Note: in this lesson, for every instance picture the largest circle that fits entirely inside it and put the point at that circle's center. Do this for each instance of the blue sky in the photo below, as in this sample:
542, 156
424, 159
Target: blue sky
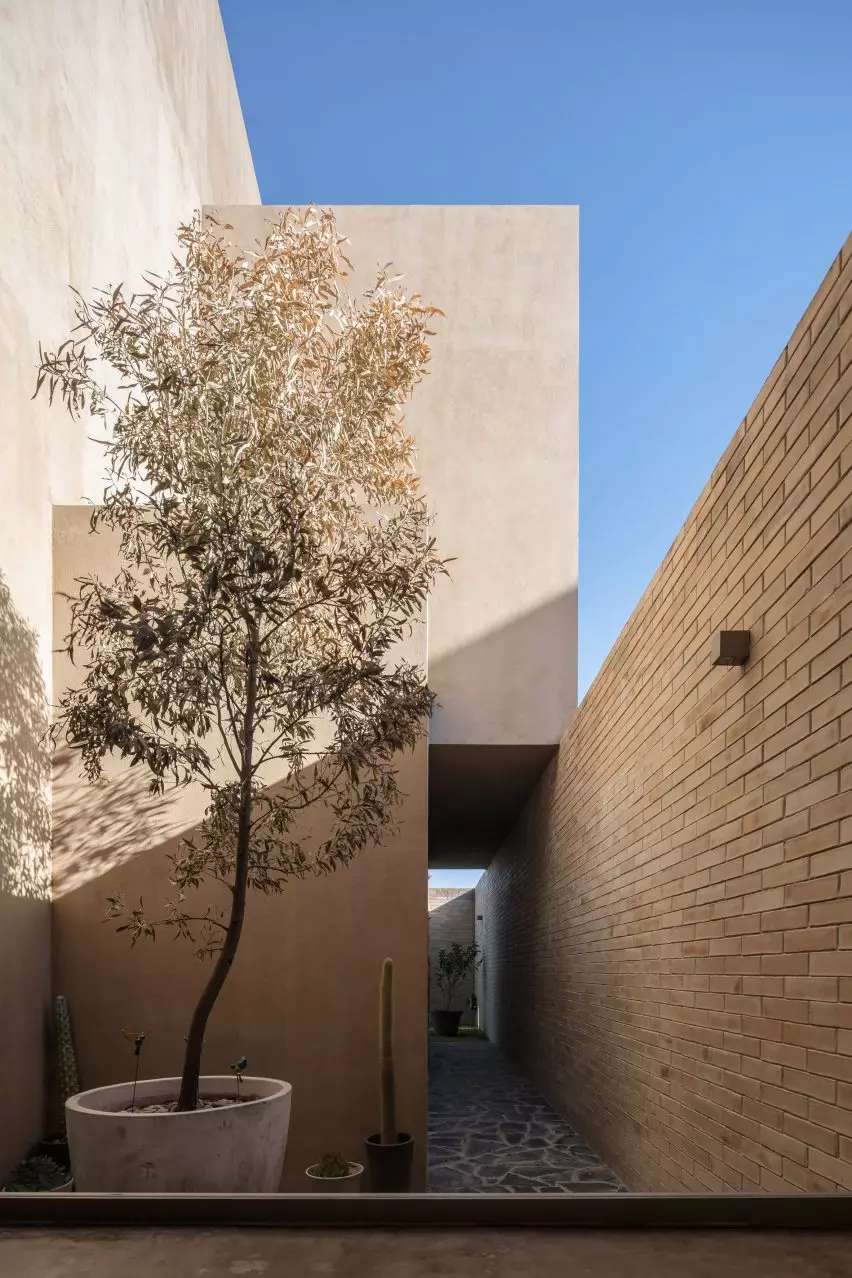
707, 143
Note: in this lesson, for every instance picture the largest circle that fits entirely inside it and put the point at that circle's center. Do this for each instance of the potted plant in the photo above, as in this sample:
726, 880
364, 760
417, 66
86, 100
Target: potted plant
334, 1174
39, 1175
455, 964
389, 1153
274, 551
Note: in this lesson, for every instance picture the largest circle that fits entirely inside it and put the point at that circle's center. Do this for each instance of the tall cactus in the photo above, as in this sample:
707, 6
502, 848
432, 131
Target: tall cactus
388, 1120
66, 1057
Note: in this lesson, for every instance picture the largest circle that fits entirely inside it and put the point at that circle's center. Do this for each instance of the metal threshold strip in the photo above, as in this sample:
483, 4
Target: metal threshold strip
375, 1211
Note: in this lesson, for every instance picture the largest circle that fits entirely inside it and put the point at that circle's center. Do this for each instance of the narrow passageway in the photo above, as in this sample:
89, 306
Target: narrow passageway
490, 1131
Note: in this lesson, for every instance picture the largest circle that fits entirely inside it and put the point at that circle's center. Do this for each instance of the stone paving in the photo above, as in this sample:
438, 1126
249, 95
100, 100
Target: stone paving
490, 1131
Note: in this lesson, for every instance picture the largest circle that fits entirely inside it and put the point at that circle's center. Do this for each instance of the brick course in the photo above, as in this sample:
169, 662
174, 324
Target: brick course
670, 923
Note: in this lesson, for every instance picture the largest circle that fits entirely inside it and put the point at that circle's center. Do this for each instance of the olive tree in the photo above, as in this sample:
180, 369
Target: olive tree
275, 553
455, 965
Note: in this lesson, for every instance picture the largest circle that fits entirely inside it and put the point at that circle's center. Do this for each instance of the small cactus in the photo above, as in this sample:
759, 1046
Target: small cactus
331, 1167
66, 1057
388, 1111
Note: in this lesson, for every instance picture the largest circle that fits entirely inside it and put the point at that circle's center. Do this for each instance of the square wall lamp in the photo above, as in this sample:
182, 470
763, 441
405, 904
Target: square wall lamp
731, 647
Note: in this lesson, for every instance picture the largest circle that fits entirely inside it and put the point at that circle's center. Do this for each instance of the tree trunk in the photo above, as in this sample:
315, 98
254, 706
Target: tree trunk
188, 1098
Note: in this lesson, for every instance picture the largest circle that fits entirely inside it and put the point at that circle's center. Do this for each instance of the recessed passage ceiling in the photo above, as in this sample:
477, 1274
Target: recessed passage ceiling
476, 794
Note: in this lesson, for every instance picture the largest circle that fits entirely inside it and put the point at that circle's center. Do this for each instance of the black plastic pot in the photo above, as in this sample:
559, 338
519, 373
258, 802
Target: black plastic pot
55, 1147
389, 1166
445, 1023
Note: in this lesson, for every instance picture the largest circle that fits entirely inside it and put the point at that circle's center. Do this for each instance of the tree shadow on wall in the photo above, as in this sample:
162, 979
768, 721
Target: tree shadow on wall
98, 826
24, 760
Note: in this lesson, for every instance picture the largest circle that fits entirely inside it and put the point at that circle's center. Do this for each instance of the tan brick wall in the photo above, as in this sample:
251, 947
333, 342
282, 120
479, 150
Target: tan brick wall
451, 919
670, 925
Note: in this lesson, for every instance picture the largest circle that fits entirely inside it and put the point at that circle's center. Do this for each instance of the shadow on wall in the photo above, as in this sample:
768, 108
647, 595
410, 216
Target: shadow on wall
516, 684
302, 1000
24, 882
98, 826
24, 760
104, 825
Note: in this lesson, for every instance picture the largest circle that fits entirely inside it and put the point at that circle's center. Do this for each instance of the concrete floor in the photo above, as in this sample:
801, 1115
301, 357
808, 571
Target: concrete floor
221, 1253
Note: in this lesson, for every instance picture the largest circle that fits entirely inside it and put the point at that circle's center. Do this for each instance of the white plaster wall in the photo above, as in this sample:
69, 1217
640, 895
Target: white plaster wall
497, 429
117, 119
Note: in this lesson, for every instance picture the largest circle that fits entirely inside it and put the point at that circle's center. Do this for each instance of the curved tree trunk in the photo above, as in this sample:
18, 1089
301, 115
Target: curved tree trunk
188, 1097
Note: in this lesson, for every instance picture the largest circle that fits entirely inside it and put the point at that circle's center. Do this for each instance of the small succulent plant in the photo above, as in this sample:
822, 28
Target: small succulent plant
36, 1175
332, 1167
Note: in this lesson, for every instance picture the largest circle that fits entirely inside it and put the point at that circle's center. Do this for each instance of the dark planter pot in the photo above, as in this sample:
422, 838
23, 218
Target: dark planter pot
389, 1166
445, 1023
55, 1147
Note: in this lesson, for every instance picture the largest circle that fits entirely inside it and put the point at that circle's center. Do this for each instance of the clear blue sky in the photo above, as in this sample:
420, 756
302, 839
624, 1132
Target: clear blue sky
707, 142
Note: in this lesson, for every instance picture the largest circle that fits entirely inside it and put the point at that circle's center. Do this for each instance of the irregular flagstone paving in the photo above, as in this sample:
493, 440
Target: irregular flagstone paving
490, 1131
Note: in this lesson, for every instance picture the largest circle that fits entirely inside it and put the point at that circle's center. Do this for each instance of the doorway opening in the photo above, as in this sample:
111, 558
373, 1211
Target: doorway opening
455, 956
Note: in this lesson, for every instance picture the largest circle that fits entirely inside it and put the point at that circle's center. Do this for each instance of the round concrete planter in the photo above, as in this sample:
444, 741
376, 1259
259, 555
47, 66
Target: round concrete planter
350, 1184
232, 1149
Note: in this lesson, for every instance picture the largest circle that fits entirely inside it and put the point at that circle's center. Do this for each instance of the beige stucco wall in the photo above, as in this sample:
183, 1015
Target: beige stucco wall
117, 119
496, 427
302, 1000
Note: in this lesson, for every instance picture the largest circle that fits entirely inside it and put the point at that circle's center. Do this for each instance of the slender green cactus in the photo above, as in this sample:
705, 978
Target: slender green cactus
66, 1057
388, 1123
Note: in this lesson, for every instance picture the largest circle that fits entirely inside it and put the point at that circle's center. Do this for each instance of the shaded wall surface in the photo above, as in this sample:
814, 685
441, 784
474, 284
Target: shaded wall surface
451, 919
302, 1001
118, 120
669, 926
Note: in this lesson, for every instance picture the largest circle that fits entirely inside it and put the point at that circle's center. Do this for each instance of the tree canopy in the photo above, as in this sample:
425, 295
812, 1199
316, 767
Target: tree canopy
275, 552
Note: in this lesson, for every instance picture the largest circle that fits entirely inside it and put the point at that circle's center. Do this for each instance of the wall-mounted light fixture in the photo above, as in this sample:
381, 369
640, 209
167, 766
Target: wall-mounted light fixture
731, 647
